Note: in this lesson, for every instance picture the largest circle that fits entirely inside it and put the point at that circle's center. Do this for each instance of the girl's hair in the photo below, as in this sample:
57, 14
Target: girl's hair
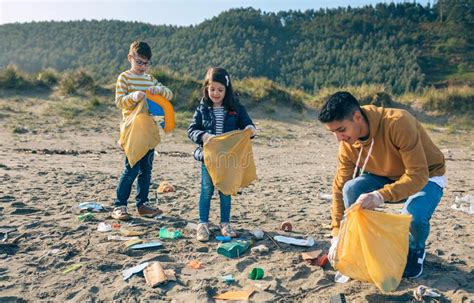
217, 74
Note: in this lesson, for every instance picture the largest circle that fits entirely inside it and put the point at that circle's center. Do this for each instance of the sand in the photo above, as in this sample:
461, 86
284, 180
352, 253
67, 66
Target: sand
52, 165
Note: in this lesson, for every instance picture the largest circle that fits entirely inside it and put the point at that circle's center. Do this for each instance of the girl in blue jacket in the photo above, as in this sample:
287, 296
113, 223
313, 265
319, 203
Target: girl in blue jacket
219, 112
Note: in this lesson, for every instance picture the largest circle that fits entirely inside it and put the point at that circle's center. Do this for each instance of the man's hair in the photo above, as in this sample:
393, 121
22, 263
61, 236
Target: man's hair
339, 106
141, 49
217, 74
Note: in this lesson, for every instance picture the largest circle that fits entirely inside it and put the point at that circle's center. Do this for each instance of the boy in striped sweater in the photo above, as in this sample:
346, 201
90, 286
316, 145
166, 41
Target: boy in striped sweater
131, 88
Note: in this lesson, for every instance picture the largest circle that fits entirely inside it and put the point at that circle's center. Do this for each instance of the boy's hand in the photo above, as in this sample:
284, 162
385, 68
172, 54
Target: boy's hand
138, 96
161, 90
252, 129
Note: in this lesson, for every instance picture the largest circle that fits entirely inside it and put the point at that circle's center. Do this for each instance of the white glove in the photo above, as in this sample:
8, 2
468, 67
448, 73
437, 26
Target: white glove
206, 137
138, 96
252, 128
370, 200
161, 90
332, 250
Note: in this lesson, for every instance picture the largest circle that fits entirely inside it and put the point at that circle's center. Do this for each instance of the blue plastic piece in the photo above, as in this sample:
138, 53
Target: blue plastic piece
223, 239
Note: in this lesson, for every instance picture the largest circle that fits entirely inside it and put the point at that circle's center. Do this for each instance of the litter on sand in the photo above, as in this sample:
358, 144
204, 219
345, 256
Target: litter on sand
228, 278
258, 234
259, 249
88, 206
256, 273
223, 239
127, 273
315, 258
233, 249
235, 295
340, 278
120, 238
104, 227
464, 204
145, 245
155, 275
165, 187
194, 264
293, 241
72, 268
166, 234
424, 291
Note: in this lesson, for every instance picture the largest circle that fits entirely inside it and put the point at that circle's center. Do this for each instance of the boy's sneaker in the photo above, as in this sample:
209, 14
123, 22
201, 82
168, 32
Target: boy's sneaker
203, 232
227, 230
120, 213
147, 211
414, 267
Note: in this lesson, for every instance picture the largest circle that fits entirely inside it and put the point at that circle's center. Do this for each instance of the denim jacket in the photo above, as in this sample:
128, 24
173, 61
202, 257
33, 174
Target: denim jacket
204, 121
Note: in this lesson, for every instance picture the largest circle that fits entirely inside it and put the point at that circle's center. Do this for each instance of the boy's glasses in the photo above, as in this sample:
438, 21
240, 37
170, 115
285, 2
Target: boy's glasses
141, 62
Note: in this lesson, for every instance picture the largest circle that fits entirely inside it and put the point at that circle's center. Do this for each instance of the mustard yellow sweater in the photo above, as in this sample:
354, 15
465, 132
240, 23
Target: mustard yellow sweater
402, 151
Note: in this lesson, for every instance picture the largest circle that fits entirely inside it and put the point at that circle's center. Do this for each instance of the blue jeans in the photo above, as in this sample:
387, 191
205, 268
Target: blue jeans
142, 169
207, 191
420, 205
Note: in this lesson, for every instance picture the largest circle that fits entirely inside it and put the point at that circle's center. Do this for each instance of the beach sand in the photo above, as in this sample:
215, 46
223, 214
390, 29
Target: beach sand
48, 168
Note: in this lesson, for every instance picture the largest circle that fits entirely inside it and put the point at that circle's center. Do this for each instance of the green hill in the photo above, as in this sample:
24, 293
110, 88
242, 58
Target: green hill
404, 47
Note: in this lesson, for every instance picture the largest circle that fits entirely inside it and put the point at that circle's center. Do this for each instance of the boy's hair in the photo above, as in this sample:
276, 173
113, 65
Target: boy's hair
141, 49
339, 106
217, 74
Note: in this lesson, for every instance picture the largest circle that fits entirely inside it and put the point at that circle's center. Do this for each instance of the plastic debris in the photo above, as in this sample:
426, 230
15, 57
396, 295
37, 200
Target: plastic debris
424, 291
258, 234
340, 278
228, 278
127, 273
72, 268
223, 239
104, 227
260, 249
132, 242
165, 187
325, 197
121, 238
464, 204
166, 234
339, 298
233, 249
256, 273
299, 242
286, 226
235, 295
145, 245
88, 206
86, 217
194, 264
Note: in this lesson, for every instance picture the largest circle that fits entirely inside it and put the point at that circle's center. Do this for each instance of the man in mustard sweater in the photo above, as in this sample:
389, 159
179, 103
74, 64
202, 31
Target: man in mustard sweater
385, 155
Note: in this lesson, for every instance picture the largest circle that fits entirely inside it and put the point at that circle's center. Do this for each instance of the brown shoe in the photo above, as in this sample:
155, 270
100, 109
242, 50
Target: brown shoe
146, 211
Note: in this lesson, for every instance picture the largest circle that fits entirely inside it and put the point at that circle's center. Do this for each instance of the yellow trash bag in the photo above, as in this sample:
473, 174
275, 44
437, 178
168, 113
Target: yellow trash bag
138, 133
373, 247
229, 161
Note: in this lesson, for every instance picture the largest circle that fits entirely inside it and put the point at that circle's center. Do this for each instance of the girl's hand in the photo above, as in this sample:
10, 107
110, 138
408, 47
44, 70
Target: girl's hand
252, 128
206, 137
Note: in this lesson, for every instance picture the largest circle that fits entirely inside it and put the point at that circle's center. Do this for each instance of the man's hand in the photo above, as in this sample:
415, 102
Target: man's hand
138, 96
206, 137
332, 250
370, 200
161, 90
252, 129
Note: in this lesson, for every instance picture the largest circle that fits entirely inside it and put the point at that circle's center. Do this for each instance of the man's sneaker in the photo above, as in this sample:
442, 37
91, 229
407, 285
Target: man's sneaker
203, 232
120, 213
414, 267
227, 230
147, 211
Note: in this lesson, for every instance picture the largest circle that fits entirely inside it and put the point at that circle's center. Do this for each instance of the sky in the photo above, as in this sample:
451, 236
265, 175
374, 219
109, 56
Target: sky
157, 12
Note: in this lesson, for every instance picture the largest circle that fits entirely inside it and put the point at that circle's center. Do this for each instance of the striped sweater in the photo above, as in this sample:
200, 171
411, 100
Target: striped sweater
127, 83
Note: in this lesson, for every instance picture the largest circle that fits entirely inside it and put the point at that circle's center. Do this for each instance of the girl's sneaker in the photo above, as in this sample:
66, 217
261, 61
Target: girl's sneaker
227, 230
203, 232
120, 213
